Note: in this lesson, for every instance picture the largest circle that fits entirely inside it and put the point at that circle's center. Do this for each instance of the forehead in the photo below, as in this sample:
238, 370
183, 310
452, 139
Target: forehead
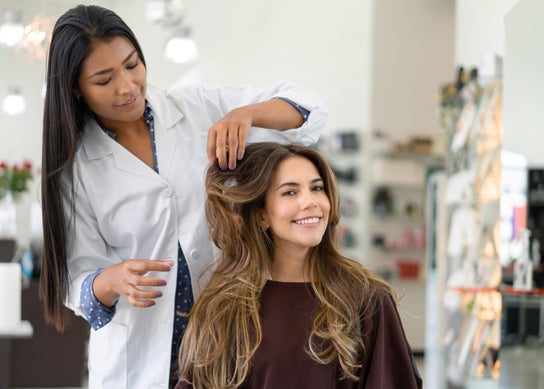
107, 53
295, 169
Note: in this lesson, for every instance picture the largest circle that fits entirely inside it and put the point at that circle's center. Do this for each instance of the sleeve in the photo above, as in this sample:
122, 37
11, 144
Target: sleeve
303, 111
389, 361
87, 251
221, 99
97, 314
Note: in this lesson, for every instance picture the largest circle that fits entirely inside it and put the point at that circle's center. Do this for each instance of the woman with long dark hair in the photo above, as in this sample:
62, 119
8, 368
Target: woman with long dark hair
125, 234
283, 307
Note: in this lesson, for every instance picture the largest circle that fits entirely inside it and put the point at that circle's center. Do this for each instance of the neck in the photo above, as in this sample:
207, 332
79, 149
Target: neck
289, 267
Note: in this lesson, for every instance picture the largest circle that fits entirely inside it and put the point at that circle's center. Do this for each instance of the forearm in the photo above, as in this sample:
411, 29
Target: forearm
275, 114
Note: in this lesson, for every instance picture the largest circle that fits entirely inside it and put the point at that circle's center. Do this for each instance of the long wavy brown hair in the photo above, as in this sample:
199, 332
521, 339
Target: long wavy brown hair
224, 329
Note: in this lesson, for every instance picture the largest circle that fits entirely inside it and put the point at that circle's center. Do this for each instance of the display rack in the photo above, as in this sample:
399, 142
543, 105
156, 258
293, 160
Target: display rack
473, 270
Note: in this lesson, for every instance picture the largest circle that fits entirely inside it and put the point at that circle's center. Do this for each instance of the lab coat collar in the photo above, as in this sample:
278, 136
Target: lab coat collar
166, 113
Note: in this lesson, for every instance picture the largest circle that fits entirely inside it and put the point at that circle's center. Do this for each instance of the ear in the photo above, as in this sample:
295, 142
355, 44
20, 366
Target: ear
264, 220
77, 93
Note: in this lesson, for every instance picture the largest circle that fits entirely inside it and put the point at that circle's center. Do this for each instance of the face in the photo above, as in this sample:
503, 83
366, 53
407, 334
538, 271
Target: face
297, 207
113, 82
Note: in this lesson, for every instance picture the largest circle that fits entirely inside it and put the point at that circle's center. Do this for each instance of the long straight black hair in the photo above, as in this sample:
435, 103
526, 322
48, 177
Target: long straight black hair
73, 37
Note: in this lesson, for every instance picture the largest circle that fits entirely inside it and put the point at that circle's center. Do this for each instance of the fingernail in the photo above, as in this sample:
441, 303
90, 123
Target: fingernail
151, 303
240, 156
232, 166
222, 166
162, 282
158, 294
167, 268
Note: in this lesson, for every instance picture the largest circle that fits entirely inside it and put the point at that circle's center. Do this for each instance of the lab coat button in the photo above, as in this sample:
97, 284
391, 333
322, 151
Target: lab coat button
167, 193
195, 255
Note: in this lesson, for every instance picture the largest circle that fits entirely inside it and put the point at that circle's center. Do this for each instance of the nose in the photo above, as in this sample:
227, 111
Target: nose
308, 200
124, 83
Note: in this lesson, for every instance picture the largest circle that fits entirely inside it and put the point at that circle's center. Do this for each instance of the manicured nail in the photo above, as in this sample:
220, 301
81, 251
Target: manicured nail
162, 282
158, 294
222, 166
240, 156
232, 166
151, 303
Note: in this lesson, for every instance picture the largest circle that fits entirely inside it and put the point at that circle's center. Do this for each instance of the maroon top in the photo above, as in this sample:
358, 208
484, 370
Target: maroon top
287, 311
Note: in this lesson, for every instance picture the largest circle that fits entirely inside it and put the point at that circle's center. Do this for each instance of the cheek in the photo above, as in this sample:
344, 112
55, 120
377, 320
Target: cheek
97, 103
326, 207
277, 211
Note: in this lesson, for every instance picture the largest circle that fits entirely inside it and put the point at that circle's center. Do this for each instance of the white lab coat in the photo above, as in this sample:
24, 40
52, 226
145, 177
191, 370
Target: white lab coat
124, 210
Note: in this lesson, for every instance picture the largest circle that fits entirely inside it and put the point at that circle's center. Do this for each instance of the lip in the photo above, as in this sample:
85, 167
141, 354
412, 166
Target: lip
129, 103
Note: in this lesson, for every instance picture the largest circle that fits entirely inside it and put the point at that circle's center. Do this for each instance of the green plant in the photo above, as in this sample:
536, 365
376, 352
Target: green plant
14, 178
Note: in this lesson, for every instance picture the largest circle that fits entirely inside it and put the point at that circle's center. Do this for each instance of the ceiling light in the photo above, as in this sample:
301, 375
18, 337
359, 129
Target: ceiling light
11, 29
14, 103
165, 12
180, 48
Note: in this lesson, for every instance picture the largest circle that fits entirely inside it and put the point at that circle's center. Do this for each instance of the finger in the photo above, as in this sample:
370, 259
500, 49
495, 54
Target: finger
221, 151
150, 281
242, 138
233, 148
211, 146
142, 298
142, 266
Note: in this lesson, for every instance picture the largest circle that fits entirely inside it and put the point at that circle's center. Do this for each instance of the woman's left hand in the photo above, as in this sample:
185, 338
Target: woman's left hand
227, 137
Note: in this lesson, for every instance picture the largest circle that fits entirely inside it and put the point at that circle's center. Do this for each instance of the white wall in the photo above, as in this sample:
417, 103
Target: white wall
479, 29
413, 56
524, 81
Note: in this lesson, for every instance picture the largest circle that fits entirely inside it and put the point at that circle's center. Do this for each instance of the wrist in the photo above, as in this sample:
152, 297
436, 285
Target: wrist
103, 291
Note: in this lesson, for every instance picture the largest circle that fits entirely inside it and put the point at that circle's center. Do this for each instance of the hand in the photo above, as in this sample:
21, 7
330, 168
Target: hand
126, 279
227, 137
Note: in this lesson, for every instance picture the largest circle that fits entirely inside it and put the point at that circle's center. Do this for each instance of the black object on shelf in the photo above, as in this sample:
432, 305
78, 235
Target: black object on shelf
535, 206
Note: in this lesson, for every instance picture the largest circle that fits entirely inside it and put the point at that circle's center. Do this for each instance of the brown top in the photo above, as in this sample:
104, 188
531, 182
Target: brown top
287, 311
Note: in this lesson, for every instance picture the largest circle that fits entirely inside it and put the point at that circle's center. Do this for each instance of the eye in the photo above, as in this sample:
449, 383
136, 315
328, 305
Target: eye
289, 192
104, 82
132, 66
318, 188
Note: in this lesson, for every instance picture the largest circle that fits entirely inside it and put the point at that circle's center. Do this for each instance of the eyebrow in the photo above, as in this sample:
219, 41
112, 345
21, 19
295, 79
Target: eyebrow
108, 70
319, 179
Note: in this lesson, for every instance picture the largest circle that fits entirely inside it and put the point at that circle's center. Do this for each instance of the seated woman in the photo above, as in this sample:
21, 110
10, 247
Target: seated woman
283, 308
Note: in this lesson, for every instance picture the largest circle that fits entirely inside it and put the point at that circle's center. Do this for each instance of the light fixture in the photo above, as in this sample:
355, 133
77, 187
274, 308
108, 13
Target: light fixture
11, 29
180, 48
14, 103
165, 12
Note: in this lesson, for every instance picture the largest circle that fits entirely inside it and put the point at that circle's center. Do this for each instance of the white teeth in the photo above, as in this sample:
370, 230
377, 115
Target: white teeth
307, 221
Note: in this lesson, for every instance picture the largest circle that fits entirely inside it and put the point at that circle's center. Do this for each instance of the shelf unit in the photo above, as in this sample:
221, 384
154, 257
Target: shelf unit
472, 304
397, 211
343, 150
397, 231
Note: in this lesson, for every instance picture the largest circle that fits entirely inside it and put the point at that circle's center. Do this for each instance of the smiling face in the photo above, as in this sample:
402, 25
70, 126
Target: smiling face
112, 82
297, 207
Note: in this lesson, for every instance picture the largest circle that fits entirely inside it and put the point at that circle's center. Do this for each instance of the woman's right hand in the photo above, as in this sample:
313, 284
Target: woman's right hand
127, 278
